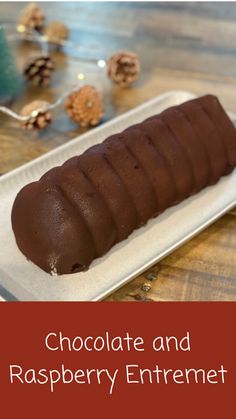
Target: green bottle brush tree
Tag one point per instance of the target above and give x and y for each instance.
(10, 79)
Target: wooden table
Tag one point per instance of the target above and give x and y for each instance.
(186, 46)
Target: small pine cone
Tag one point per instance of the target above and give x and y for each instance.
(32, 18)
(38, 70)
(123, 68)
(85, 106)
(39, 116)
(56, 32)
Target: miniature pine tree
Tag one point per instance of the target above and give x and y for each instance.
(10, 79)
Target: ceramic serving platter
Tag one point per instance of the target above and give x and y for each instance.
(21, 280)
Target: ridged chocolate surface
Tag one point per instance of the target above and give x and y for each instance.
(76, 212)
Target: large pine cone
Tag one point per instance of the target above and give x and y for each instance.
(38, 71)
(124, 68)
(32, 17)
(39, 116)
(56, 32)
(85, 107)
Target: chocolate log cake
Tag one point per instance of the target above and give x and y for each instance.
(76, 212)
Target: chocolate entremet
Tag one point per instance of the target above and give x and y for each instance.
(76, 212)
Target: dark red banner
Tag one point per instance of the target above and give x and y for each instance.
(117, 359)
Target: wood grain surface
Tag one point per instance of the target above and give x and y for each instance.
(187, 46)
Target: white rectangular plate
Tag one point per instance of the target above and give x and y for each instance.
(143, 248)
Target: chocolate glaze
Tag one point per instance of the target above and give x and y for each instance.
(154, 166)
(168, 146)
(133, 177)
(223, 124)
(209, 135)
(48, 230)
(194, 149)
(81, 193)
(76, 212)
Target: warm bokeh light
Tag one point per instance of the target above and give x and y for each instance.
(101, 63)
(81, 76)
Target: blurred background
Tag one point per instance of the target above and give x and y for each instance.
(181, 45)
(171, 38)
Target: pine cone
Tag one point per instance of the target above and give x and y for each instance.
(38, 70)
(56, 32)
(123, 68)
(32, 17)
(40, 117)
(85, 106)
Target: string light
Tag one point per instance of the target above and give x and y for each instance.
(23, 33)
(81, 76)
(51, 106)
(101, 63)
(42, 40)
